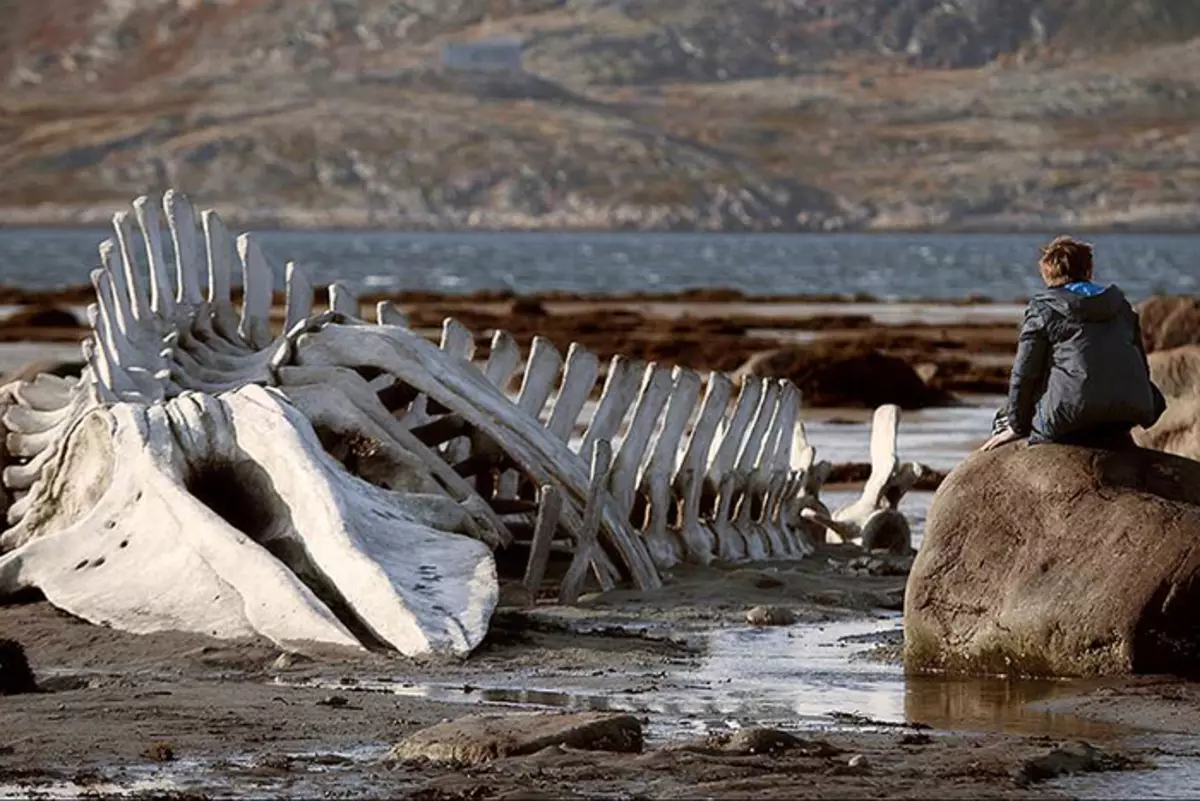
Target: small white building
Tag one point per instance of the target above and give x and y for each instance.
(494, 54)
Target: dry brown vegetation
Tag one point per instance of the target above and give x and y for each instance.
(883, 114)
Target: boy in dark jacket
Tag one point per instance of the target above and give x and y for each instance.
(1080, 376)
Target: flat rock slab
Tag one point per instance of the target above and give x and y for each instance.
(483, 738)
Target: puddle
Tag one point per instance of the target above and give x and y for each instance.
(315, 774)
(811, 677)
(939, 438)
(1176, 775)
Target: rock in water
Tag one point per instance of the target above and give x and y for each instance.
(1053, 560)
(483, 738)
(15, 676)
(846, 373)
(770, 616)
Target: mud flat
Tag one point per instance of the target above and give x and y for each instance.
(193, 717)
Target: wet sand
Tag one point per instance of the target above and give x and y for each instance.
(236, 720)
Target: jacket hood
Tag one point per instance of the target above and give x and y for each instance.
(1085, 308)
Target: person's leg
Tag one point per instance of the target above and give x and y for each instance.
(1110, 437)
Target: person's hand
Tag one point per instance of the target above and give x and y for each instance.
(1003, 438)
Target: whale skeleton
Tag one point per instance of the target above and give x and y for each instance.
(328, 479)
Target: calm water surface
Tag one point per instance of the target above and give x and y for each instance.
(908, 266)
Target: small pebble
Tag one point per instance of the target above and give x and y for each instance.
(770, 616)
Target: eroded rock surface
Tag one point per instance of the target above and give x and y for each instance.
(483, 738)
(1054, 560)
(833, 374)
(1169, 321)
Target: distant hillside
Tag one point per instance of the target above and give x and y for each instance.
(666, 114)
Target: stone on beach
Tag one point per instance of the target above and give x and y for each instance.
(1169, 321)
(483, 738)
(832, 374)
(1177, 373)
(770, 616)
(16, 677)
(755, 740)
(1053, 560)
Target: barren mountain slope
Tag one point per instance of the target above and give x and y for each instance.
(712, 114)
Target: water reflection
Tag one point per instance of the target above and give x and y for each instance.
(808, 677)
(1000, 705)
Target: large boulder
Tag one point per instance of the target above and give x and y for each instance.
(1169, 321)
(1177, 373)
(846, 374)
(1055, 560)
(1176, 432)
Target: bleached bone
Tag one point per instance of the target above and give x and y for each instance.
(572, 582)
(464, 390)
(224, 516)
(343, 301)
(620, 389)
(690, 478)
(414, 582)
(312, 442)
(652, 398)
(733, 432)
(874, 519)
(754, 464)
(540, 371)
(665, 545)
(579, 378)
(549, 508)
(387, 314)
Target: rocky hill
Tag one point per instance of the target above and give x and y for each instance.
(650, 114)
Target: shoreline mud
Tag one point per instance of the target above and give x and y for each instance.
(197, 718)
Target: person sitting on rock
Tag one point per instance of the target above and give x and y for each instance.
(1081, 375)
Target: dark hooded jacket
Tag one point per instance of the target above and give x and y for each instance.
(1080, 366)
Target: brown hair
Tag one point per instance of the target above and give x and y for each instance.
(1066, 260)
